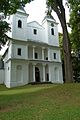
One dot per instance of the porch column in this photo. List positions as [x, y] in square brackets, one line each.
[48, 54]
[43, 53]
[34, 72]
[50, 73]
[44, 77]
[33, 52]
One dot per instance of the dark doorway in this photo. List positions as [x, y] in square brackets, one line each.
[37, 74]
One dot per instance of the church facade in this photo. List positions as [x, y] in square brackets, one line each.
[33, 53]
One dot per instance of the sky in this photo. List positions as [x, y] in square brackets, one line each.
[36, 10]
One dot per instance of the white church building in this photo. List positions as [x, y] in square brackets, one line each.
[33, 53]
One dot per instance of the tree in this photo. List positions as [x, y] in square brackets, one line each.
[75, 24]
[62, 57]
[57, 6]
[4, 27]
[8, 7]
[75, 36]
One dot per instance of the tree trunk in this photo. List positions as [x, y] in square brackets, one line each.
[58, 7]
[66, 47]
[67, 56]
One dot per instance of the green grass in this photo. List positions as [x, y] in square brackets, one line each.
[40, 102]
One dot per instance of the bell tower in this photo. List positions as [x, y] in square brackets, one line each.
[50, 25]
[19, 24]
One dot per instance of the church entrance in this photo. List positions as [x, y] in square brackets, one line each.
[37, 74]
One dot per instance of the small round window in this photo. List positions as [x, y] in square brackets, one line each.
[19, 67]
[52, 24]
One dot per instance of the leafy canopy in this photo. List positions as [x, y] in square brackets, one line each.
[8, 7]
[75, 23]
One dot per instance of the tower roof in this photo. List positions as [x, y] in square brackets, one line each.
[21, 9]
[48, 15]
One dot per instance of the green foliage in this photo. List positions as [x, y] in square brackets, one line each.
[76, 69]
[40, 102]
[75, 23]
[4, 27]
[73, 3]
[8, 7]
[75, 35]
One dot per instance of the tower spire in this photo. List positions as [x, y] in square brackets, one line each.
[48, 9]
[21, 6]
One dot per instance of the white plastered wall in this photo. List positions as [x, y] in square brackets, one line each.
[55, 72]
[23, 51]
[24, 73]
[53, 39]
[57, 51]
[7, 68]
[2, 77]
[40, 36]
[19, 33]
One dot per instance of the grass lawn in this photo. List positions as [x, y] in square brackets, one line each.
[40, 102]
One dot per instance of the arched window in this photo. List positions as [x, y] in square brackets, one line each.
[19, 51]
[54, 55]
[35, 31]
[19, 24]
[36, 55]
[52, 31]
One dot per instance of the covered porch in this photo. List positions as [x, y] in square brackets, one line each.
[38, 72]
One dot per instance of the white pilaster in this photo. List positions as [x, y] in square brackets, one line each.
[34, 72]
[49, 73]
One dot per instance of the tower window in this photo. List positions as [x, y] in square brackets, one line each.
[35, 31]
[19, 51]
[36, 55]
[52, 31]
[54, 55]
[19, 24]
